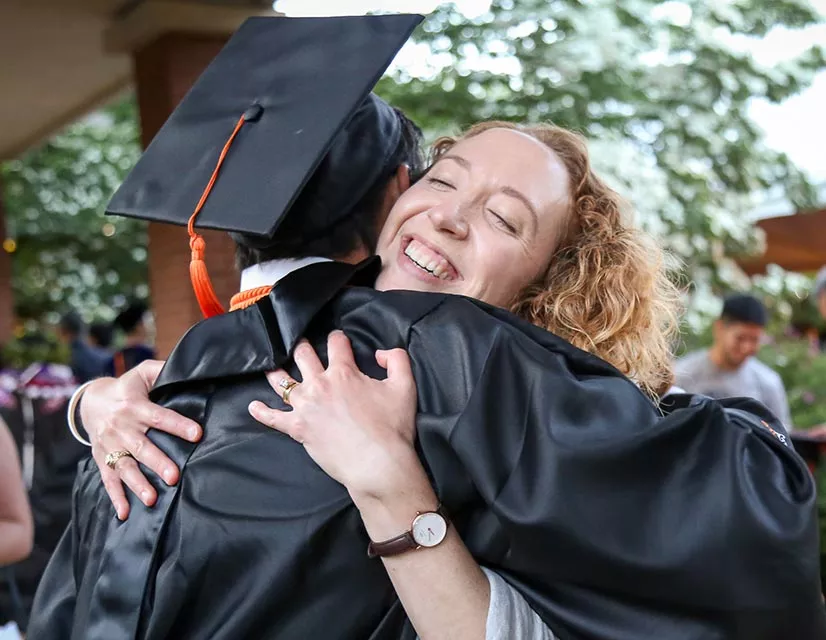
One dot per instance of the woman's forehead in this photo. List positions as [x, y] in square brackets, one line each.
[517, 158]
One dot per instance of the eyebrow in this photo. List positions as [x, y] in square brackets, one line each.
[508, 191]
[458, 160]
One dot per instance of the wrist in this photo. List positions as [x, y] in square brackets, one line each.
[395, 473]
[390, 512]
[84, 413]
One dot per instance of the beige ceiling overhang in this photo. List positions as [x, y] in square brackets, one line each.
[60, 59]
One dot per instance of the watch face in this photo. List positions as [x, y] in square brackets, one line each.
[429, 529]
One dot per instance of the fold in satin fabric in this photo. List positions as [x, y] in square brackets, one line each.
[612, 520]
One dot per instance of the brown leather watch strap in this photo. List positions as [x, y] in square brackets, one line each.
[392, 547]
[404, 542]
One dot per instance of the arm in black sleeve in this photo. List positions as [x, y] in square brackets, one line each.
[613, 520]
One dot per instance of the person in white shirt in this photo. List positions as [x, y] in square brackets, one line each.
[729, 368]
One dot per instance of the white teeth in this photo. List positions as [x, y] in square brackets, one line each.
[423, 258]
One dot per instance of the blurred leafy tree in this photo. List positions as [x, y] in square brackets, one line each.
[68, 253]
[661, 89]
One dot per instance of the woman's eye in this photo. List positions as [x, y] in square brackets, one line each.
[500, 221]
[440, 183]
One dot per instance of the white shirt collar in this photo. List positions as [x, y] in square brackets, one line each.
[270, 272]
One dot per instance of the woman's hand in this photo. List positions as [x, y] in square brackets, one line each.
[359, 430]
[117, 413]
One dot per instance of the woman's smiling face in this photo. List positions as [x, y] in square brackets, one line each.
[483, 222]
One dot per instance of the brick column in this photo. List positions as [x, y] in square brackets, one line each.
[6, 297]
[165, 69]
[171, 43]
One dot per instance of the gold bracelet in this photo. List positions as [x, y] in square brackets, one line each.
[70, 413]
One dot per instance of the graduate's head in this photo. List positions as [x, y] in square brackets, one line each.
[281, 143]
[514, 216]
[344, 204]
[739, 330]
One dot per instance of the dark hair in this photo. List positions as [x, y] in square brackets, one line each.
[359, 229]
[101, 333]
[745, 308]
[72, 323]
[132, 316]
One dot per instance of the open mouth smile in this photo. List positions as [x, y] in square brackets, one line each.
[429, 260]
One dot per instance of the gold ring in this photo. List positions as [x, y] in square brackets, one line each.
[112, 458]
[288, 388]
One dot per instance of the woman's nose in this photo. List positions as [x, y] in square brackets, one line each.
[450, 219]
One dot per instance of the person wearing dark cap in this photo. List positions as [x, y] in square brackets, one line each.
[135, 322]
[86, 362]
[522, 437]
[729, 368]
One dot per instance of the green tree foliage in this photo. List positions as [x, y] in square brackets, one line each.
[660, 88]
[69, 255]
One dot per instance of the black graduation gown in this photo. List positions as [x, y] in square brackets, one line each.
[612, 521]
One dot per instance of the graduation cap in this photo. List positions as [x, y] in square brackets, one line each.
[284, 97]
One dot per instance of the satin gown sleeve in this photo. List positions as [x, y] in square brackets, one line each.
[612, 520]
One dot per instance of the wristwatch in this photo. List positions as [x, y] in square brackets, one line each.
[429, 529]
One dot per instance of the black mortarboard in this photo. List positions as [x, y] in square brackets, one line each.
[279, 97]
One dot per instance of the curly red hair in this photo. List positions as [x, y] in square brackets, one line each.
[606, 289]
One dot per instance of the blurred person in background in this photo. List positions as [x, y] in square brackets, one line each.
[87, 362]
[819, 298]
[100, 335]
[16, 529]
[16, 525]
[729, 369]
[100, 341]
[136, 322]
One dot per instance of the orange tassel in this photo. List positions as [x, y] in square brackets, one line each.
[201, 283]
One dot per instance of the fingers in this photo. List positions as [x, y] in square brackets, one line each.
[147, 453]
[283, 384]
[307, 361]
[114, 488]
[145, 415]
[132, 477]
[282, 421]
[397, 363]
[275, 378]
[339, 350]
[148, 371]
